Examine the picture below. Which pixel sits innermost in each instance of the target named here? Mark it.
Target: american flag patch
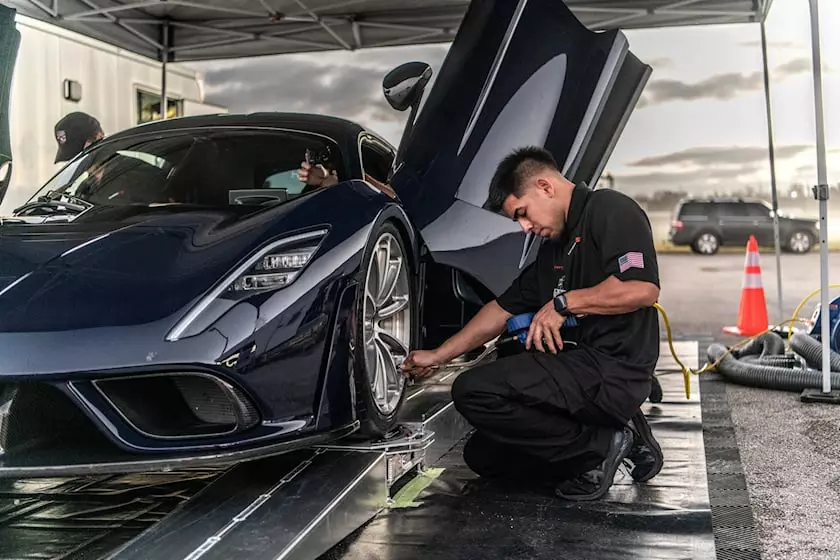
(632, 259)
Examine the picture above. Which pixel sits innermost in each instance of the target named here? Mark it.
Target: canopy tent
(182, 30)
(190, 30)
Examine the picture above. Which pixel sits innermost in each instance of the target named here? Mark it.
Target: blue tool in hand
(518, 325)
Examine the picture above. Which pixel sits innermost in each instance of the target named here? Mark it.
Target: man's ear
(545, 186)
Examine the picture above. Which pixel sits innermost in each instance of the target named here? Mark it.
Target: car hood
(122, 266)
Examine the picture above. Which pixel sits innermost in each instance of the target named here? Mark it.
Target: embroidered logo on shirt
(633, 259)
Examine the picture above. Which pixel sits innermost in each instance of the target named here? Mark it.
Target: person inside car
(316, 176)
(74, 133)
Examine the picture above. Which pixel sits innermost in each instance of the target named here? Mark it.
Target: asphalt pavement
(790, 451)
(702, 294)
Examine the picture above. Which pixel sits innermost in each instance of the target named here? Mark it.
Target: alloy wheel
(387, 322)
(800, 242)
(707, 244)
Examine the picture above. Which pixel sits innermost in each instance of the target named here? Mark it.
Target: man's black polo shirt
(607, 233)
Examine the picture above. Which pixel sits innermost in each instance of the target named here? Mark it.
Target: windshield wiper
(56, 204)
(79, 202)
(72, 205)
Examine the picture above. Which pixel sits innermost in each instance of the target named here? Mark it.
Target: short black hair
(513, 171)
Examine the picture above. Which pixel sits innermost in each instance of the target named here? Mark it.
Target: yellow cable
(687, 371)
(802, 304)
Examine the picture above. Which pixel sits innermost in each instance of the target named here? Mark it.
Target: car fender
(350, 211)
(394, 212)
(353, 211)
(337, 397)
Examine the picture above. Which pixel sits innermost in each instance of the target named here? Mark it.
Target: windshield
(206, 167)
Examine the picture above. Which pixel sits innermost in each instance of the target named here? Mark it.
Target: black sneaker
(655, 390)
(646, 455)
(593, 484)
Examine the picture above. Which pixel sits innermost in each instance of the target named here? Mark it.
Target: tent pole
(821, 194)
(773, 190)
(164, 106)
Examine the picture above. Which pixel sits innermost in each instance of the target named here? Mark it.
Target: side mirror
(5, 178)
(403, 86)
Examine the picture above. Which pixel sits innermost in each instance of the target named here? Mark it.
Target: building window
(148, 107)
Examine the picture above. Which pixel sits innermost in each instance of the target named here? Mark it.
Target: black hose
(767, 344)
(785, 361)
(768, 377)
(811, 349)
(766, 350)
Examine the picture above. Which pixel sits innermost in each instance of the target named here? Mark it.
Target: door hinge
(821, 192)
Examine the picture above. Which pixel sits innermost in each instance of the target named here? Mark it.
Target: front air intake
(180, 405)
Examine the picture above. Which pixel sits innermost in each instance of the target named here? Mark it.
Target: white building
(119, 88)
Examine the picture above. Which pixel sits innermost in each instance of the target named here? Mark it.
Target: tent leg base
(817, 396)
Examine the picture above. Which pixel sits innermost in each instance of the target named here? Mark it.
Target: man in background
(75, 132)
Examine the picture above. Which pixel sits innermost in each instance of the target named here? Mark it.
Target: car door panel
(761, 223)
(518, 73)
(9, 44)
(734, 222)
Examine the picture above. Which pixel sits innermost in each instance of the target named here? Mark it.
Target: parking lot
(702, 294)
(788, 449)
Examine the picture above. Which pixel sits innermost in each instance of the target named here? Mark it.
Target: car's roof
(715, 199)
(333, 127)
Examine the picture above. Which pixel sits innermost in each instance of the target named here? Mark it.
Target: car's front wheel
(385, 331)
(707, 243)
(800, 242)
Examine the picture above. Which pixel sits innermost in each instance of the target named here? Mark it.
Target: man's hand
(546, 327)
(316, 175)
(420, 363)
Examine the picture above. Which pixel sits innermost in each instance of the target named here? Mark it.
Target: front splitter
(84, 463)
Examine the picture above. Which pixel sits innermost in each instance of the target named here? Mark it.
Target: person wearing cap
(75, 132)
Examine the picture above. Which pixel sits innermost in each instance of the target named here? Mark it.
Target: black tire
(800, 242)
(373, 423)
(706, 243)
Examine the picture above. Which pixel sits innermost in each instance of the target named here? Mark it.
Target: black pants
(542, 416)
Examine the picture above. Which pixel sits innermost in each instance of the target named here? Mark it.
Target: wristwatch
(560, 305)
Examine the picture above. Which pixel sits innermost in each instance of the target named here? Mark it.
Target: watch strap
(561, 306)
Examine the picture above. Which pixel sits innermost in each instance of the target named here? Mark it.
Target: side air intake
(180, 405)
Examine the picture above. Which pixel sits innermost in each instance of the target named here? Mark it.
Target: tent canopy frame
(184, 30)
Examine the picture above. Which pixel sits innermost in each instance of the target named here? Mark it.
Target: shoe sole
(609, 474)
(647, 438)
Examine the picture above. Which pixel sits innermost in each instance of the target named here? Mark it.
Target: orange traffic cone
(752, 315)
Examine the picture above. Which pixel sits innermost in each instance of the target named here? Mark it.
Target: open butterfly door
(518, 73)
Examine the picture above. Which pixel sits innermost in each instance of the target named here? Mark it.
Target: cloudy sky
(700, 125)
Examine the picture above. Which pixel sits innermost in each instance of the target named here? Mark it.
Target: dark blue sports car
(176, 295)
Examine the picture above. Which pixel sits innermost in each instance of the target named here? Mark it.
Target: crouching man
(567, 414)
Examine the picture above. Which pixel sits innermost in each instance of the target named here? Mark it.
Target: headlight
(274, 270)
(274, 267)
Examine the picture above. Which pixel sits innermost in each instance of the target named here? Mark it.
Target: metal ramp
(359, 500)
(302, 504)
(296, 505)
